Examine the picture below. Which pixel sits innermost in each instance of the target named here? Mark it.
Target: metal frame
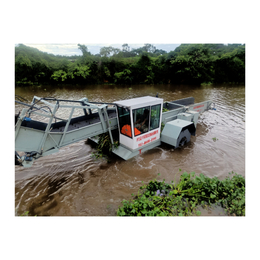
(27, 138)
(52, 141)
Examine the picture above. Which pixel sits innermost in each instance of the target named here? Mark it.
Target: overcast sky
(72, 49)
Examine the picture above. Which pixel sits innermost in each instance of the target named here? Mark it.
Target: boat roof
(139, 102)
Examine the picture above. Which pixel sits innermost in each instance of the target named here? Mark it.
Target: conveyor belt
(82, 121)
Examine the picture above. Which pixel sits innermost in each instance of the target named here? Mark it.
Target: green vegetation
(25, 214)
(105, 146)
(165, 110)
(182, 199)
(187, 64)
(162, 125)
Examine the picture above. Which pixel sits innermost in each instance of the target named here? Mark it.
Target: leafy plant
(165, 109)
(182, 199)
(162, 126)
(25, 213)
(105, 146)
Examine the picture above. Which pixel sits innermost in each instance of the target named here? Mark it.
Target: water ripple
(71, 182)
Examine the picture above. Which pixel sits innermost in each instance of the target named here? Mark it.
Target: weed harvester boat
(142, 123)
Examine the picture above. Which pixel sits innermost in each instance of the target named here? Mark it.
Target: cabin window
(141, 118)
(124, 121)
(155, 116)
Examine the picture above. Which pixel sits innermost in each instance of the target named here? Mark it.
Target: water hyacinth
(160, 193)
(182, 199)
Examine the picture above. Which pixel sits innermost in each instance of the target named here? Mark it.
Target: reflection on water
(72, 183)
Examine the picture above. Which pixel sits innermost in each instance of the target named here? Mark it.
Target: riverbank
(187, 64)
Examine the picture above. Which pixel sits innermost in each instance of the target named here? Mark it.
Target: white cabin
(139, 121)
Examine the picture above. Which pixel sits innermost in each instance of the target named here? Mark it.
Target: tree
(230, 67)
(84, 49)
(137, 51)
(23, 68)
(59, 75)
(105, 51)
(115, 51)
(192, 64)
(125, 47)
(82, 71)
(123, 77)
(149, 48)
(189, 63)
(160, 52)
(143, 70)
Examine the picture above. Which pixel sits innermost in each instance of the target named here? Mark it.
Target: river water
(73, 183)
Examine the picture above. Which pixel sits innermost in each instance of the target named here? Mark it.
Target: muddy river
(73, 183)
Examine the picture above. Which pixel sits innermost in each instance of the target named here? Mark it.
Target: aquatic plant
(25, 214)
(162, 126)
(104, 146)
(158, 198)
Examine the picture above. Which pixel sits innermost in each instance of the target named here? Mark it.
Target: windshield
(124, 121)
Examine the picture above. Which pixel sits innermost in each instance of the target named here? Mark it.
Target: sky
(72, 49)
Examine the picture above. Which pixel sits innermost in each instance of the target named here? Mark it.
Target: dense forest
(187, 64)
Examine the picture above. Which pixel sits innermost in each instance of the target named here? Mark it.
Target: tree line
(187, 64)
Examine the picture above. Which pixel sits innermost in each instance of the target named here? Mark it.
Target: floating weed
(198, 213)
(162, 126)
(104, 147)
(214, 139)
(26, 213)
(158, 198)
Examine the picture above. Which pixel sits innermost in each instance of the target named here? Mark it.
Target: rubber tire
(183, 138)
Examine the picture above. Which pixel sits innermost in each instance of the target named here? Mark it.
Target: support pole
(108, 126)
